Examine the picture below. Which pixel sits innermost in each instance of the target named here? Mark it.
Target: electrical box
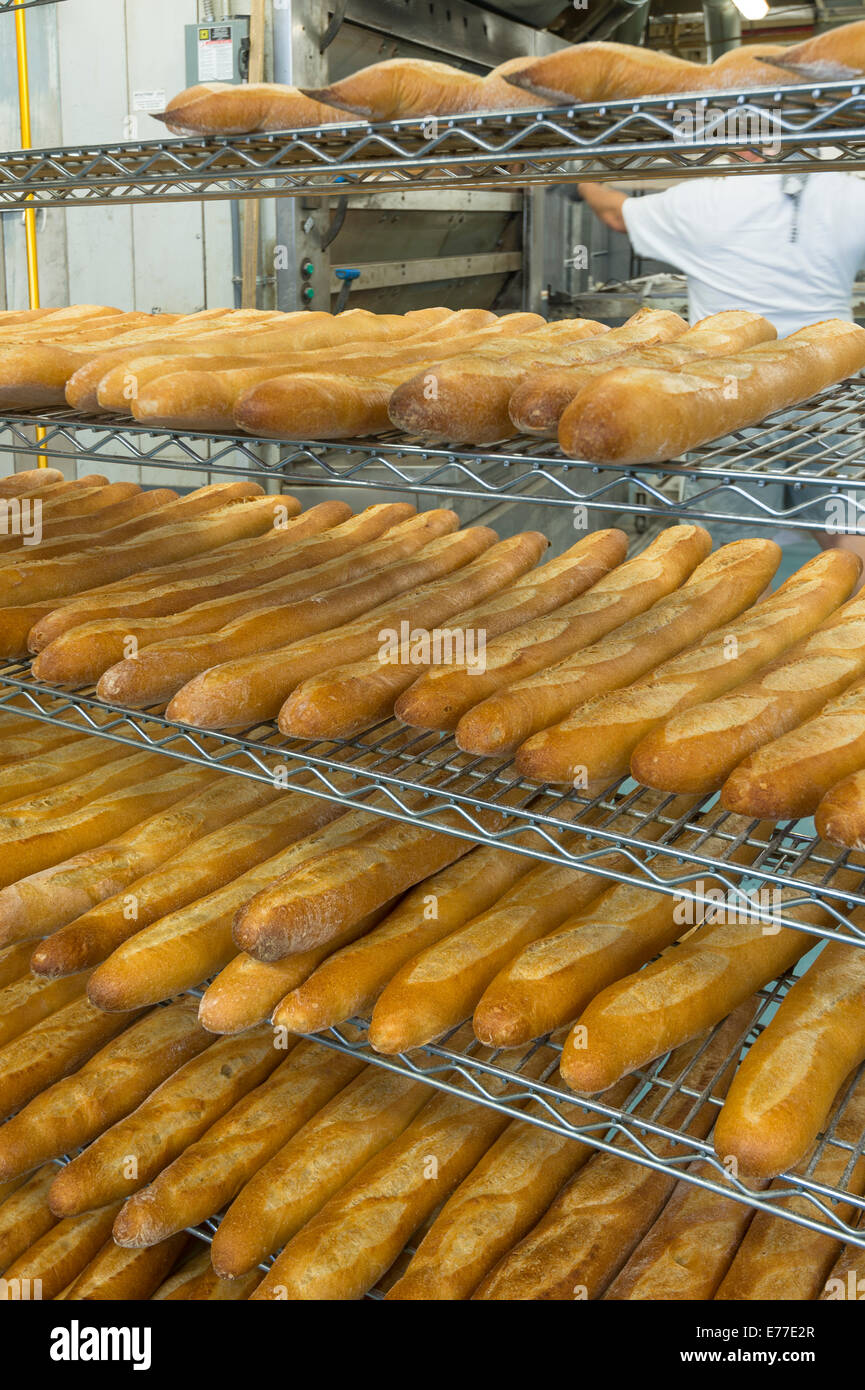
(217, 52)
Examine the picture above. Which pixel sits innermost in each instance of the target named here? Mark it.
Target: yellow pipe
(26, 141)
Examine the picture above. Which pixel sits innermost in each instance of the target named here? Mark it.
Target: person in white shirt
(787, 246)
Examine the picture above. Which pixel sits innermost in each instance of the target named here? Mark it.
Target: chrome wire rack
(407, 775)
(804, 125)
(802, 468)
(10, 6)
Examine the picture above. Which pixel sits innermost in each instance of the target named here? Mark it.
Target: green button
(308, 292)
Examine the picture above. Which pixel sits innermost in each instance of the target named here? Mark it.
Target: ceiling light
(752, 9)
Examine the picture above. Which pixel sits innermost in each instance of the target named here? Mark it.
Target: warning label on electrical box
(215, 54)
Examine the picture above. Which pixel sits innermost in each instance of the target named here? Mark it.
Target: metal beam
(376, 275)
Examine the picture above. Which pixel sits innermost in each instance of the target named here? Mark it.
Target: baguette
(52, 1049)
(698, 749)
(469, 404)
(846, 1278)
(687, 1252)
(254, 639)
(98, 821)
(494, 1207)
(787, 1084)
(836, 54)
(344, 700)
(333, 1145)
(588, 1233)
(14, 962)
(29, 480)
(440, 987)
(445, 699)
(346, 1247)
(780, 1260)
(551, 981)
(27, 1001)
(116, 1079)
(254, 688)
(84, 653)
(207, 1287)
(611, 71)
(840, 817)
(81, 515)
(641, 415)
(538, 404)
(400, 87)
(27, 815)
(601, 734)
(300, 543)
(212, 1171)
(689, 988)
(125, 1276)
(128, 1155)
(349, 981)
(267, 821)
(138, 512)
(247, 991)
(68, 890)
(25, 1216)
(718, 591)
(188, 1272)
(187, 946)
(789, 777)
(59, 1256)
(218, 108)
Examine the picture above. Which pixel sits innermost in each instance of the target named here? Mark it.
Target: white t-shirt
(744, 244)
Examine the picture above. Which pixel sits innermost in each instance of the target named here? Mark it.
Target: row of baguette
(646, 392)
(671, 665)
(400, 88)
(335, 1166)
(142, 878)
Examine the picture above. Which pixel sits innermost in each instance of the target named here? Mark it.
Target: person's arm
(606, 203)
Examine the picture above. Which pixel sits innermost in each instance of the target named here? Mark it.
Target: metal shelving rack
(405, 775)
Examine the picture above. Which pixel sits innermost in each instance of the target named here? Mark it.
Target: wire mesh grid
(802, 468)
(802, 125)
(407, 775)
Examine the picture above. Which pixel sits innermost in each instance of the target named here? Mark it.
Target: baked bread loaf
(59, 1256)
(840, 817)
(845, 1279)
(403, 87)
(221, 108)
(25, 1215)
(640, 415)
(443, 699)
(28, 480)
(126, 1276)
(831, 56)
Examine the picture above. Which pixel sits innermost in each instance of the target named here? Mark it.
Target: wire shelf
(806, 126)
(412, 776)
(10, 6)
(802, 468)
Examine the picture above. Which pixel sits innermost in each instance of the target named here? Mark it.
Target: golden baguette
(469, 404)
(195, 1263)
(52, 1049)
(333, 1145)
(127, 1156)
(350, 980)
(253, 688)
(846, 1278)
(321, 533)
(552, 980)
(27, 1001)
(440, 987)
(211, 1171)
(88, 536)
(718, 591)
(207, 1287)
(218, 108)
(187, 946)
(114, 772)
(444, 699)
(221, 852)
(687, 1252)
(787, 1083)
(14, 962)
(85, 514)
(840, 817)
(838, 53)
(247, 990)
(780, 1260)
(495, 1206)
(345, 699)
(601, 734)
(698, 749)
(789, 777)
(59, 1256)
(29, 480)
(641, 415)
(346, 1247)
(25, 1215)
(399, 87)
(125, 1276)
(44, 901)
(592, 1227)
(689, 988)
(134, 507)
(537, 405)
(81, 655)
(98, 821)
(305, 626)
(73, 1111)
